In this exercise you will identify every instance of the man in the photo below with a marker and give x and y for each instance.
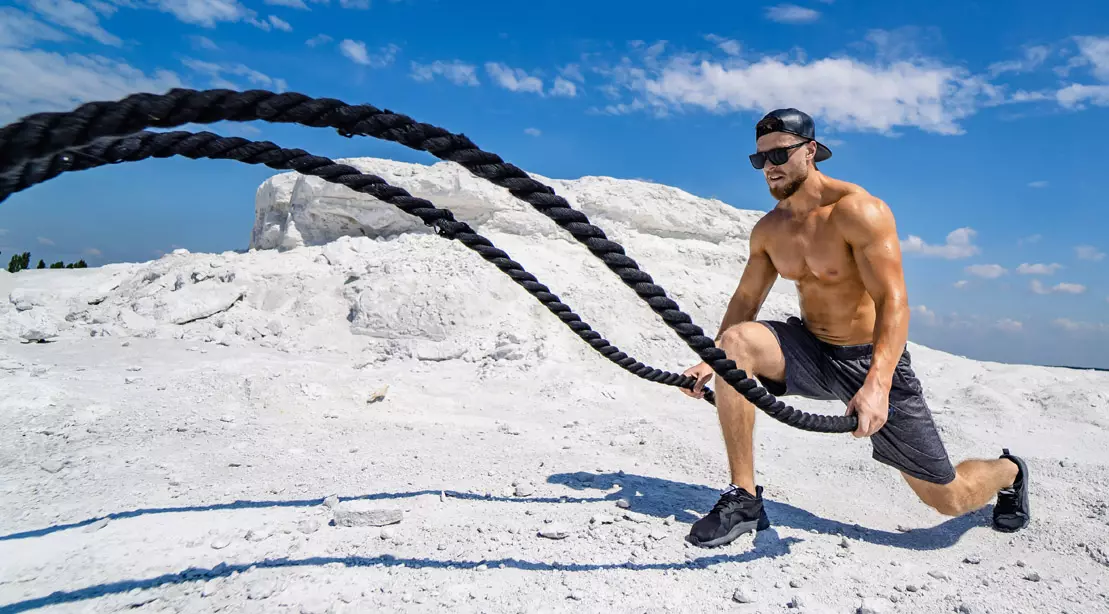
(839, 245)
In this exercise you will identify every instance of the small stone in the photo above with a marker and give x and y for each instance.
(795, 584)
(554, 531)
(577, 595)
(263, 589)
(903, 528)
(257, 535)
(972, 560)
(966, 608)
(52, 466)
(378, 395)
(524, 490)
(669, 520)
(797, 602)
(389, 534)
(939, 575)
(362, 514)
(1021, 564)
(912, 588)
(126, 344)
(227, 418)
(130, 380)
(623, 504)
(220, 543)
(602, 519)
(1032, 577)
(331, 501)
(744, 594)
(843, 543)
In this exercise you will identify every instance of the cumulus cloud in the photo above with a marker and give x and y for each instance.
(455, 71)
(962, 283)
(1088, 252)
(1076, 326)
(1032, 58)
(924, 314)
(513, 79)
(280, 24)
(532, 131)
(76, 17)
(563, 87)
(1038, 269)
(986, 271)
(791, 13)
(46, 241)
(1009, 325)
(19, 29)
(317, 40)
(959, 244)
(1061, 288)
(841, 92)
(221, 75)
(34, 80)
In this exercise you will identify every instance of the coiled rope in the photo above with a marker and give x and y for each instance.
(46, 133)
(144, 145)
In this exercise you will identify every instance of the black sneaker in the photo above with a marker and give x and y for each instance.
(1012, 512)
(736, 513)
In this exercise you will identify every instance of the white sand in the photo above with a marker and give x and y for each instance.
(206, 404)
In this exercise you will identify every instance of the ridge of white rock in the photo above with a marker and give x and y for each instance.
(194, 432)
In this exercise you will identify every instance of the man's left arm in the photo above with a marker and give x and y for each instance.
(869, 228)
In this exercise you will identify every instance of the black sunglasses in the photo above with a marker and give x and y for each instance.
(776, 156)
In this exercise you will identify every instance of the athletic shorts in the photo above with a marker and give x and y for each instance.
(908, 441)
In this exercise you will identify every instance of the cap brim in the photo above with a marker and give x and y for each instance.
(822, 152)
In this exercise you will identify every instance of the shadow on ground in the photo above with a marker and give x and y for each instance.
(647, 495)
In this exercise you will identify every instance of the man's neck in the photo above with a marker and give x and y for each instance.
(808, 197)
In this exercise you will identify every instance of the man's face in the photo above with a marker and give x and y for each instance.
(783, 180)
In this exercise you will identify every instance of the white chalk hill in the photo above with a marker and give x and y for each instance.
(352, 352)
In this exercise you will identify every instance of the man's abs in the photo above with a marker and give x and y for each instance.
(840, 313)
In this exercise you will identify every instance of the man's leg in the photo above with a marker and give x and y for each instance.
(976, 483)
(755, 350)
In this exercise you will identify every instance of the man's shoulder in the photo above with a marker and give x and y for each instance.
(857, 206)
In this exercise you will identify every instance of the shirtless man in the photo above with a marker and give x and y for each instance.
(839, 245)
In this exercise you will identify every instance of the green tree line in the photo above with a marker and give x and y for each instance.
(22, 261)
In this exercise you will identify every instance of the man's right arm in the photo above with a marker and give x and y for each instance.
(754, 285)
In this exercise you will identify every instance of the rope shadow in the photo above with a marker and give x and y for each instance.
(663, 498)
(767, 545)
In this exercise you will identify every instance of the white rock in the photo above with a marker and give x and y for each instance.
(365, 514)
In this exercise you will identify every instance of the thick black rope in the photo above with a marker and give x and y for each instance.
(45, 133)
(143, 145)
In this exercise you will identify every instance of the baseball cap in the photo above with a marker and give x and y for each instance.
(792, 121)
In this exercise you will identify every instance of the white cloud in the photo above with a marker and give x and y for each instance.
(455, 71)
(962, 283)
(355, 4)
(1074, 95)
(1032, 59)
(280, 24)
(293, 4)
(840, 92)
(925, 314)
(563, 87)
(220, 75)
(986, 271)
(76, 17)
(318, 39)
(357, 52)
(532, 131)
(206, 13)
(1063, 288)
(1089, 252)
(1094, 51)
(572, 72)
(1037, 184)
(1009, 325)
(92, 251)
(1074, 326)
(959, 245)
(33, 80)
(1038, 269)
(727, 45)
(19, 29)
(46, 241)
(513, 79)
(791, 13)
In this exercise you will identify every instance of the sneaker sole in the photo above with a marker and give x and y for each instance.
(1024, 503)
(739, 529)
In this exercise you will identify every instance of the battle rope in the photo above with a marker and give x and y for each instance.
(143, 145)
(45, 133)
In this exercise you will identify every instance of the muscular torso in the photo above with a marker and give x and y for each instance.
(809, 250)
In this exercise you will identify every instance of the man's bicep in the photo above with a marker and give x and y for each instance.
(758, 276)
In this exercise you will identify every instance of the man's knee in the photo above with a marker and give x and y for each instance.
(754, 347)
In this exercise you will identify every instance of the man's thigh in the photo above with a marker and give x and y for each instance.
(803, 369)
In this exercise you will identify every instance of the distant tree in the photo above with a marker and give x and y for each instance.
(19, 262)
(42, 265)
(58, 265)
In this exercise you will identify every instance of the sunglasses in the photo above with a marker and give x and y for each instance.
(777, 156)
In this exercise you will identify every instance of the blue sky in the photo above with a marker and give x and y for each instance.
(980, 127)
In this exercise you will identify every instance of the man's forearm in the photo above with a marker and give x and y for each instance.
(891, 332)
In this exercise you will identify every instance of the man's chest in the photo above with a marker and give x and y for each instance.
(810, 248)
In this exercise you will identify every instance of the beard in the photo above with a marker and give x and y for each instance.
(787, 190)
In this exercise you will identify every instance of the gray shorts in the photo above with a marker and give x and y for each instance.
(908, 441)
